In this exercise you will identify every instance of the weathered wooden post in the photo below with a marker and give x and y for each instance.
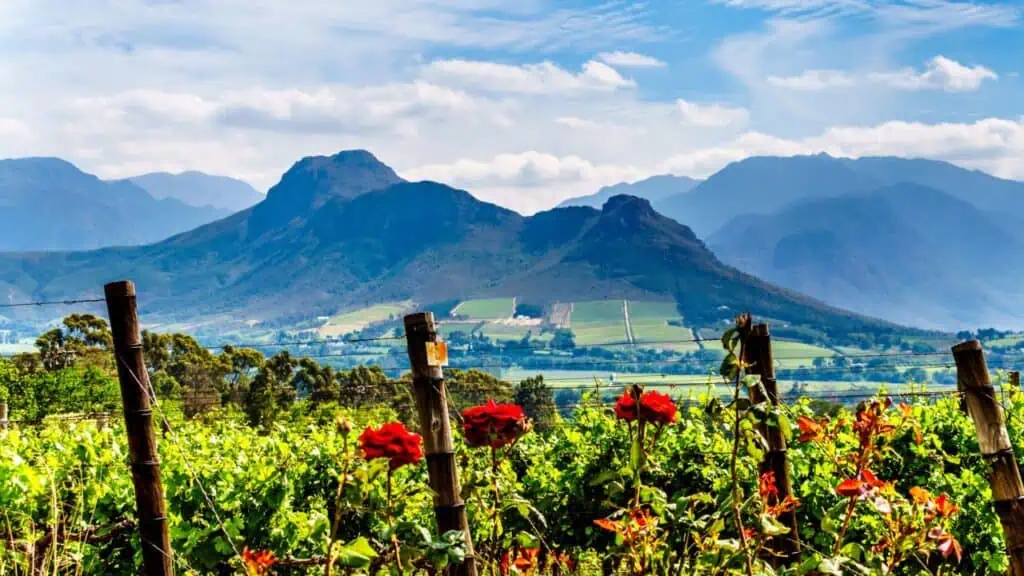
(757, 351)
(3, 415)
(975, 383)
(138, 420)
(426, 356)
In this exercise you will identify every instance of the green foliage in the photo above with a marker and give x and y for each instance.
(67, 390)
(538, 402)
(276, 491)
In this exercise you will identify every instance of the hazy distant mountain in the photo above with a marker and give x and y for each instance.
(652, 189)
(199, 189)
(346, 231)
(49, 204)
(904, 252)
(764, 185)
(761, 185)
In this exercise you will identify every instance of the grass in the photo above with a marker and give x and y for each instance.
(598, 322)
(692, 386)
(498, 331)
(1007, 341)
(358, 319)
(789, 354)
(597, 312)
(650, 323)
(486, 308)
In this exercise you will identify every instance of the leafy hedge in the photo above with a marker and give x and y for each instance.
(277, 490)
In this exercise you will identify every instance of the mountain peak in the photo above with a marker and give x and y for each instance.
(314, 180)
(624, 203)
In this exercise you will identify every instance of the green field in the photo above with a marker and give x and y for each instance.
(486, 308)
(650, 324)
(598, 322)
(597, 312)
(501, 331)
(690, 385)
(358, 319)
(789, 354)
(1005, 342)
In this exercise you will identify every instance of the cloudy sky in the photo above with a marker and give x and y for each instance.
(522, 102)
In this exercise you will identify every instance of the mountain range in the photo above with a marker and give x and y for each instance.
(918, 242)
(653, 189)
(49, 204)
(345, 231)
(199, 189)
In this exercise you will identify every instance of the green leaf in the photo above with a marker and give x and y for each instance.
(605, 477)
(527, 540)
(356, 554)
(785, 426)
(853, 550)
(772, 527)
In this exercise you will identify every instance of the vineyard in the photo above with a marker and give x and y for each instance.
(294, 468)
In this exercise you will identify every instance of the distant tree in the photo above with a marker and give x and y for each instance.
(566, 400)
(922, 348)
(818, 362)
(271, 391)
(244, 364)
(82, 338)
(317, 381)
(474, 387)
(27, 363)
(964, 335)
(563, 340)
(538, 402)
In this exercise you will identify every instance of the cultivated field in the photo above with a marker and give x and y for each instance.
(486, 308)
(358, 319)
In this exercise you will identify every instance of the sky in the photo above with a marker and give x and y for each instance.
(523, 102)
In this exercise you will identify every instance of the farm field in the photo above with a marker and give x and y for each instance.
(650, 324)
(358, 319)
(789, 354)
(502, 331)
(598, 322)
(486, 308)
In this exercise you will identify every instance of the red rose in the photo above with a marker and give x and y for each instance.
(493, 425)
(625, 407)
(657, 407)
(392, 441)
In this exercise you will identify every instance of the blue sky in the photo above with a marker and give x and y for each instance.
(523, 103)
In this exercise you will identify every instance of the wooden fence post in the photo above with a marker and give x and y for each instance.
(3, 415)
(138, 420)
(758, 351)
(432, 408)
(974, 382)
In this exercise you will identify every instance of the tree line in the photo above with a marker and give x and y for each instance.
(72, 370)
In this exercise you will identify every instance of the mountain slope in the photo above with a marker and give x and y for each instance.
(328, 236)
(199, 189)
(653, 189)
(904, 252)
(49, 204)
(988, 193)
(761, 185)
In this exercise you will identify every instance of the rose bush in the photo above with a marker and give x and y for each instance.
(279, 493)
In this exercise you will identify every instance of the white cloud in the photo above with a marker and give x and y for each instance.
(711, 115)
(813, 80)
(933, 14)
(541, 78)
(12, 127)
(541, 180)
(941, 73)
(630, 60)
(993, 145)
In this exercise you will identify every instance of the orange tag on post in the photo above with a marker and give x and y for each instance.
(437, 353)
